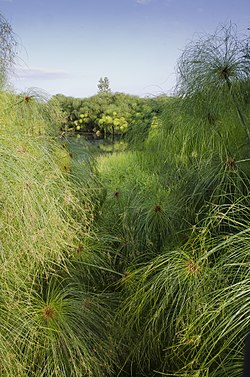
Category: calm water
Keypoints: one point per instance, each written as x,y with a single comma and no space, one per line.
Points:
81,146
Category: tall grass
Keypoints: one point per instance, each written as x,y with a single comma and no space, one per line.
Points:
184,306
133,263
54,319
176,213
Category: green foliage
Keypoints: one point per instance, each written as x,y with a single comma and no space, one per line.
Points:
133,263
30,113
54,319
52,329
103,85
175,223
214,72
110,113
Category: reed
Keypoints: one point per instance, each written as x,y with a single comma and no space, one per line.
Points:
55,319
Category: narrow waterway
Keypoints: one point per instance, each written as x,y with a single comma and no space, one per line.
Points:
82,146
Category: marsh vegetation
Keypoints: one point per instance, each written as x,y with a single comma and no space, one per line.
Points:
135,262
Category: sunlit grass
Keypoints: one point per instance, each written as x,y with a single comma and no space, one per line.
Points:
54,320
133,262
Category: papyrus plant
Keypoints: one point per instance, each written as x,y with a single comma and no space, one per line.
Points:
213,73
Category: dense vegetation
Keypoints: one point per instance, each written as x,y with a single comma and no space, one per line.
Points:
108,113
133,263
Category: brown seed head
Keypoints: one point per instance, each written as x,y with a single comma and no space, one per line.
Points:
231,164
27,99
157,208
48,312
192,267
116,194
225,72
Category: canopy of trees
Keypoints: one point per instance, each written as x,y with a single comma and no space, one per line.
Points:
109,113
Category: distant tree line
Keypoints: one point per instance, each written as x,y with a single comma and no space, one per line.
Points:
109,113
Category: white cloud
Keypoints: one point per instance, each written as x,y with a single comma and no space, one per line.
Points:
40,74
143,2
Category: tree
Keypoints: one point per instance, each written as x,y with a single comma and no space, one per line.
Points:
103,85
7,49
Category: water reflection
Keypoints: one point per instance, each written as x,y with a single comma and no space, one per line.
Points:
81,145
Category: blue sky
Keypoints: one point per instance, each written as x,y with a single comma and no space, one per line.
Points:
65,46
